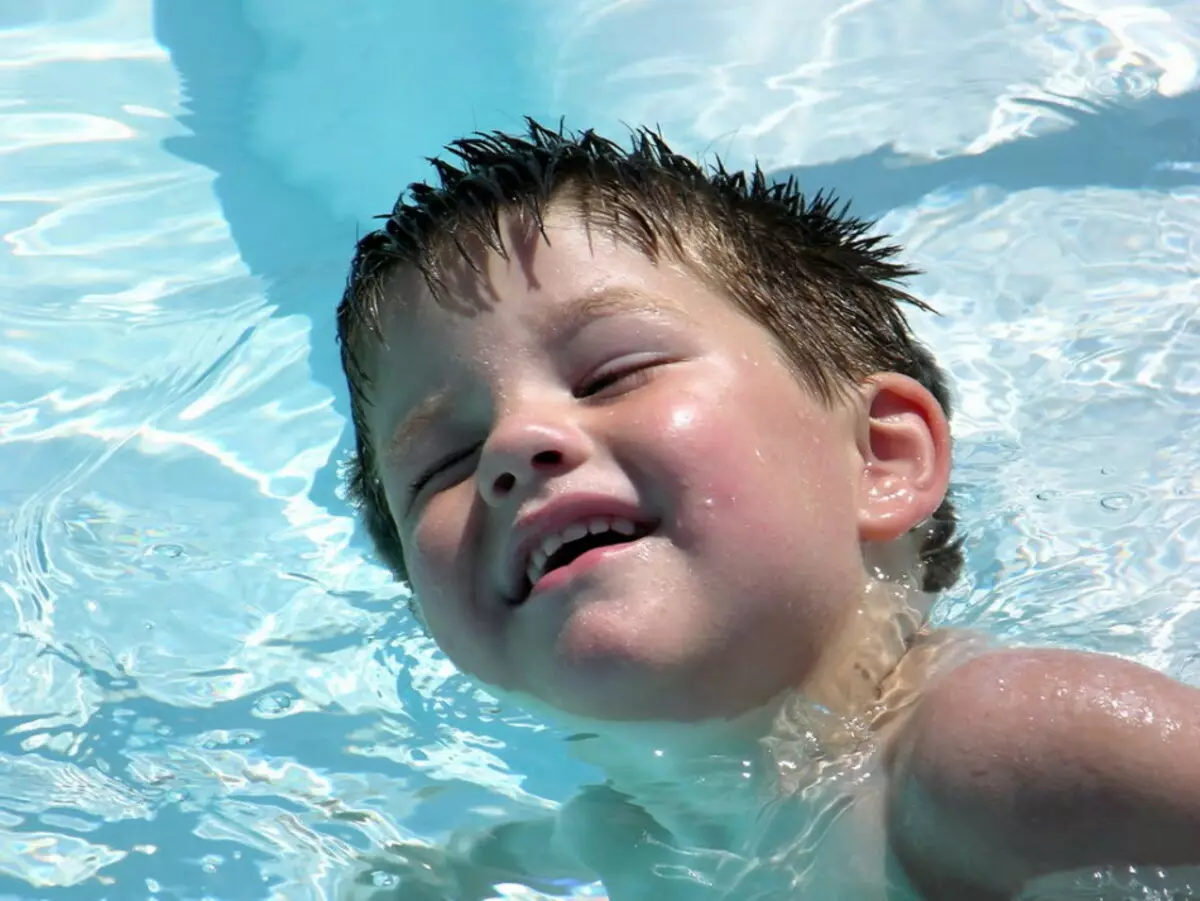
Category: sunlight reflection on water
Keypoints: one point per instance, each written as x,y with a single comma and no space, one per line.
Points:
207,689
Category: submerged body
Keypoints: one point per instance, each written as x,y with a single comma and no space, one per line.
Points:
1060,790
661,461
805,816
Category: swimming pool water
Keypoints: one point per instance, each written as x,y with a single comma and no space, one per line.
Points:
207,689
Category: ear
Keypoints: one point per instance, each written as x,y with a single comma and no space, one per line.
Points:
904,442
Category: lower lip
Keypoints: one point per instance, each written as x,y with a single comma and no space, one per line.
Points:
557,578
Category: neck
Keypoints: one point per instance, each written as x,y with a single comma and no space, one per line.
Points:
715,770
655,747
707,782
702,781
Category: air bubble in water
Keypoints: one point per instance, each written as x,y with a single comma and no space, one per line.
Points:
272,704
1116,502
384,879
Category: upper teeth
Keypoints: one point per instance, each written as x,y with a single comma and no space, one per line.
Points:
552,542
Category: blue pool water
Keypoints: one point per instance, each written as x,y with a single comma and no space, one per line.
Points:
207,689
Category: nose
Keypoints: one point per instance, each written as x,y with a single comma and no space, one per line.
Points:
526,447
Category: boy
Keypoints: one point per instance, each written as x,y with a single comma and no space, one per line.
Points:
658,455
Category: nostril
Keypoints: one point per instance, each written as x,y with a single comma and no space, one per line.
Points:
542,460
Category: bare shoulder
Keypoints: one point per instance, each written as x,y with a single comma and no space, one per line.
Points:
1037,761
931,655
1043,703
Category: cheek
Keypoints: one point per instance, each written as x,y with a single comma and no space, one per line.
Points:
440,593
435,552
757,457
439,530
738,430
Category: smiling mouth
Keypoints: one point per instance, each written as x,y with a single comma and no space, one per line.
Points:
572,550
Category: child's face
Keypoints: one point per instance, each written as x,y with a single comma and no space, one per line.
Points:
600,389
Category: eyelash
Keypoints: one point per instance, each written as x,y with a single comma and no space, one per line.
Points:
639,375
415,486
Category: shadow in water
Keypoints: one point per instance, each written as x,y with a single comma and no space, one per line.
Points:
1150,144
285,234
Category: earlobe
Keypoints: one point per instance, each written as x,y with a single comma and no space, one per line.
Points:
904,443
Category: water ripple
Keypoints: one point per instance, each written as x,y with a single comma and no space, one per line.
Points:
208,690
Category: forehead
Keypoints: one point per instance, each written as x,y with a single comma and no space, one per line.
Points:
493,309
543,286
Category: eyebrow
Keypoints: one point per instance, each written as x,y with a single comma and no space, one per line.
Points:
567,320
573,315
431,408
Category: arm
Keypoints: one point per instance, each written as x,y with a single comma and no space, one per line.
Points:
526,852
1020,764
599,834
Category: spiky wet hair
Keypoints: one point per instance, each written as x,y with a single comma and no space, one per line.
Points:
813,275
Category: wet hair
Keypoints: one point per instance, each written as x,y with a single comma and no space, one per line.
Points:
814,276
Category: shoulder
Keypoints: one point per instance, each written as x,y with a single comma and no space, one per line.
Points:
1036,706
1031,761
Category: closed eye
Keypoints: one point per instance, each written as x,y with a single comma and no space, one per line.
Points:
443,465
619,380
